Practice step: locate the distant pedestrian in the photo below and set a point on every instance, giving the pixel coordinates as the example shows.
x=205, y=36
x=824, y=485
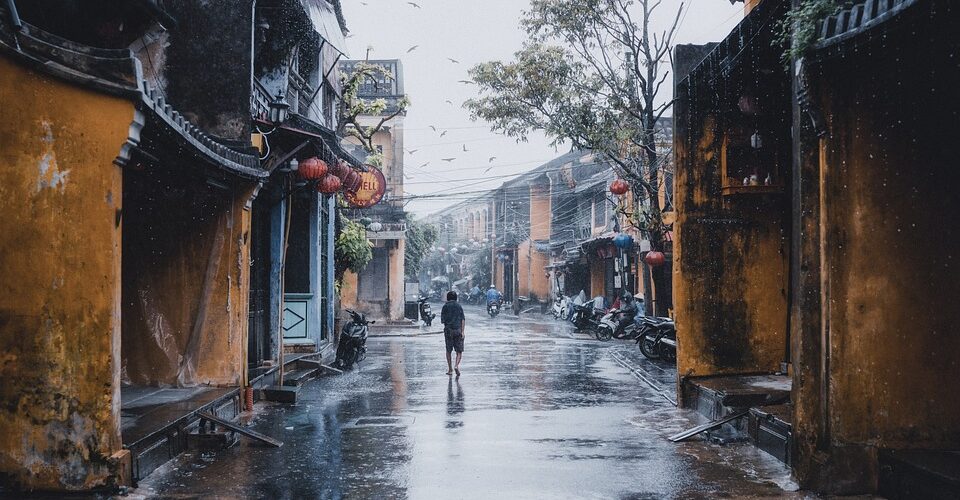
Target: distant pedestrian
x=453, y=330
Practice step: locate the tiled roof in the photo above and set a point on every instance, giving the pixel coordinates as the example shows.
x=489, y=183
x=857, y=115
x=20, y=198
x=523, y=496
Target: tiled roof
x=118, y=72
x=860, y=18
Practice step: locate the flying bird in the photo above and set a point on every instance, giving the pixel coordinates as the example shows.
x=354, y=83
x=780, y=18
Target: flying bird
x=443, y=133
x=448, y=101
x=424, y=165
x=433, y=128
x=491, y=159
x=465, y=148
x=411, y=151
x=415, y=5
x=411, y=49
x=465, y=82
x=449, y=159
x=454, y=61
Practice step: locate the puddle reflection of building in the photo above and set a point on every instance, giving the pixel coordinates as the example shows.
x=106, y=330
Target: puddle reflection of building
x=455, y=404
x=398, y=377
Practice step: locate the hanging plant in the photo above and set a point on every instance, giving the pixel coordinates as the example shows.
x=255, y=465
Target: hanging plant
x=352, y=250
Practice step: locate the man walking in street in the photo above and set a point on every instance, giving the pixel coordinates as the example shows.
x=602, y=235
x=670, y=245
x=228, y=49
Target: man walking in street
x=453, y=327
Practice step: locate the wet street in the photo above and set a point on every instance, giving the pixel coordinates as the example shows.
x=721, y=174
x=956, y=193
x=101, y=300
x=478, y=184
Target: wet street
x=539, y=412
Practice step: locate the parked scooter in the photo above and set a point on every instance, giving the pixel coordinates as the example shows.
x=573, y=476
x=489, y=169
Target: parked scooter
x=561, y=305
x=658, y=338
x=611, y=325
x=586, y=316
x=352, y=347
x=425, y=311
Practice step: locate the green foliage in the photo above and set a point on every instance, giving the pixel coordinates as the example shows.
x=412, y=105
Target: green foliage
x=352, y=107
x=797, y=31
x=480, y=266
x=589, y=74
x=419, y=238
x=352, y=249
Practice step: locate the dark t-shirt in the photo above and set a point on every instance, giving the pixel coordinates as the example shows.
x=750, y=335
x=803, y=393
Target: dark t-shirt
x=452, y=315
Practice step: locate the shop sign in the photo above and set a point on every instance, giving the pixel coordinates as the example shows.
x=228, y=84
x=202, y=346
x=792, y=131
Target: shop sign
x=372, y=187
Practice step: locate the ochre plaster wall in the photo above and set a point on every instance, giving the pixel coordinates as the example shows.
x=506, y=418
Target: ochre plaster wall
x=730, y=267
x=186, y=282
x=596, y=277
x=530, y=272
x=60, y=195
x=397, y=260
x=890, y=277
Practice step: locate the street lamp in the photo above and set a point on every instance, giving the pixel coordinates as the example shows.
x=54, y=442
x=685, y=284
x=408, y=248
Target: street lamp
x=279, y=109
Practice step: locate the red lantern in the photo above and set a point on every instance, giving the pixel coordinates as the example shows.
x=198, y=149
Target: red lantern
x=340, y=169
x=619, y=187
x=329, y=184
x=352, y=180
x=654, y=258
x=312, y=169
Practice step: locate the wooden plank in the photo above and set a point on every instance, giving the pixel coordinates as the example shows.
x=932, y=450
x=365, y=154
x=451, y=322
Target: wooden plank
x=242, y=430
x=706, y=427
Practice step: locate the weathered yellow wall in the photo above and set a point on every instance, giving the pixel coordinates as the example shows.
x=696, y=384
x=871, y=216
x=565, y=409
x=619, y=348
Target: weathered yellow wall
x=730, y=268
x=185, y=282
x=890, y=279
x=397, y=260
x=60, y=292
x=596, y=276
x=530, y=272
x=348, y=290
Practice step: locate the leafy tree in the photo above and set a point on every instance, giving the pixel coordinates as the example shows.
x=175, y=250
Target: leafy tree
x=352, y=107
x=590, y=74
x=419, y=238
x=480, y=266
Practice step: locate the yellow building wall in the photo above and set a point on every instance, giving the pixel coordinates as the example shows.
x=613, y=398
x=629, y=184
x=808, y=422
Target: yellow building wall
x=730, y=280
x=530, y=272
x=60, y=195
x=596, y=276
x=186, y=287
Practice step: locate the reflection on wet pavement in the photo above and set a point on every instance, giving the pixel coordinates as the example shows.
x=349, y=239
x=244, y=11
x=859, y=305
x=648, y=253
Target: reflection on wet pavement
x=540, y=412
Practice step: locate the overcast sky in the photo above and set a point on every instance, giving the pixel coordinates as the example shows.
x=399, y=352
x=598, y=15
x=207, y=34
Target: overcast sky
x=471, y=32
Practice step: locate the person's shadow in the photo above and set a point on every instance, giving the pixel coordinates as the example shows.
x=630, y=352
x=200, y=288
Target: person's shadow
x=455, y=404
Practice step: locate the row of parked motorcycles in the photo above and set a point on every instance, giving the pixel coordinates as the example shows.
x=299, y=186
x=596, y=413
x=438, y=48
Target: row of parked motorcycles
x=655, y=336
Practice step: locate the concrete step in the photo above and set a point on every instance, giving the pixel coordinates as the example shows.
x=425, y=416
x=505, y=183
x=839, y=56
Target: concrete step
x=280, y=394
x=299, y=376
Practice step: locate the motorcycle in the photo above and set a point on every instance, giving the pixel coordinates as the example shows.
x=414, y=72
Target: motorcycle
x=561, y=305
x=658, y=338
x=352, y=347
x=611, y=325
x=586, y=316
x=493, y=309
x=425, y=311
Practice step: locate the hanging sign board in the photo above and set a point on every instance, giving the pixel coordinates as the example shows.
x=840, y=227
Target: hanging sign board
x=372, y=186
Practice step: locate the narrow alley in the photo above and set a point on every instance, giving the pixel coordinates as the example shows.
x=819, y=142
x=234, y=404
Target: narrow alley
x=539, y=412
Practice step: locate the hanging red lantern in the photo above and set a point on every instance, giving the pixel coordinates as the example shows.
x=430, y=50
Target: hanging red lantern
x=654, y=258
x=619, y=187
x=329, y=184
x=312, y=169
x=352, y=180
x=339, y=169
